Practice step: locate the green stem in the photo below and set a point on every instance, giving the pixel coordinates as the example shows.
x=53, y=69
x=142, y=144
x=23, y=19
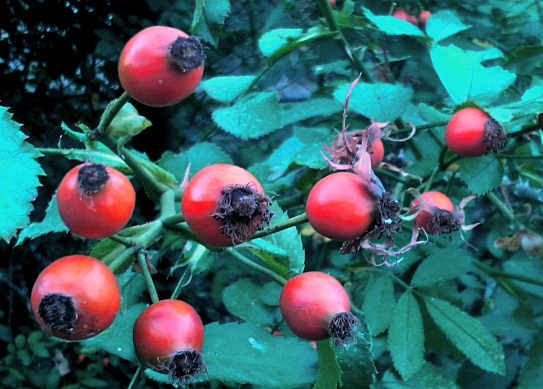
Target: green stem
x=509, y=156
x=256, y=266
x=430, y=180
x=148, y=279
x=422, y=127
x=293, y=221
x=198, y=253
x=110, y=112
x=450, y=183
x=495, y=272
x=173, y=220
x=135, y=377
x=391, y=175
x=504, y=209
x=167, y=205
x=121, y=239
x=531, y=128
x=326, y=11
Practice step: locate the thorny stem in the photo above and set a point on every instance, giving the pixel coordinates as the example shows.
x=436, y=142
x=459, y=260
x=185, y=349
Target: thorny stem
x=256, y=266
x=293, y=221
x=142, y=261
x=326, y=11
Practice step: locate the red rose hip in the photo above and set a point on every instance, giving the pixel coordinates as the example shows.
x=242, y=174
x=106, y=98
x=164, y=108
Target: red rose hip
x=436, y=213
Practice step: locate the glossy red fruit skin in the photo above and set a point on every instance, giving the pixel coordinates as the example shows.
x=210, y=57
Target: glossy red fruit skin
x=101, y=214
x=165, y=328
x=465, y=131
x=92, y=287
x=431, y=200
x=340, y=207
x=401, y=14
x=423, y=17
x=309, y=301
x=377, y=152
x=146, y=72
x=201, y=195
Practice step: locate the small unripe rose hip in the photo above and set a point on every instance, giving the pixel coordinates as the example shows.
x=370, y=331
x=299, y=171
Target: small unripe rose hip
x=436, y=213
x=315, y=306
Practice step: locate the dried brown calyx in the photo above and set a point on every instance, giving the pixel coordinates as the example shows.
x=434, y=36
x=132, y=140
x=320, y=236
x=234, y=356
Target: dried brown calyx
x=342, y=326
x=186, y=53
x=91, y=178
x=58, y=312
x=186, y=366
x=241, y=211
x=494, y=138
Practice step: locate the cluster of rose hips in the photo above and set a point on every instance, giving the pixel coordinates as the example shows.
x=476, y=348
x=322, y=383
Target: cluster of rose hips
x=77, y=297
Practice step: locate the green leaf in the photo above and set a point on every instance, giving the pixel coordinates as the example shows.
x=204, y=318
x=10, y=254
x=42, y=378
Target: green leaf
x=50, y=223
x=380, y=102
x=242, y=300
x=246, y=353
x=444, y=24
x=468, y=335
x=428, y=377
x=356, y=360
x=525, y=60
x=391, y=25
x=19, y=176
x=117, y=339
x=313, y=139
x=378, y=300
x=251, y=117
x=127, y=122
x=217, y=10
x=523, y=266
x=531, y=374
x=329, y=375
x=481, y=174
x=273, y=40
x=406, y=336
x=289, y=240
x=295, y=112
x=200, y=155
x=443, y=264
x=465, y=78
x=269, y=293
x=226, y=88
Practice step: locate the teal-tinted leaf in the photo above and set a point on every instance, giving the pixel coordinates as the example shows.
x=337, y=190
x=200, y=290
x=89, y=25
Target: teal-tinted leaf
x=200, y=155
x=525, y=59
x=521, y=265
x=531, y=374
x=356, y=360
x=117, y=339
x=289, y=240
x=378, y=300
x=127, y=122
x=217, y=10
x=443, y=264
x=19, y=176
x=428, y=377
x=92, y=382
x=242, y=300
x=246, y=353
x=329, y=375
x=444, y=24
x=273, y=40
x=295, y=112
x=50, y=223
x=391, y=25
x=251, y=117
x=380, y=102
x=481, y=174
x=313, y=138
x=406, y=336
x=465, y=78
x=431, y=114
x=226, y=88
x=425, y=151
x=269, y=293
x=468, y=335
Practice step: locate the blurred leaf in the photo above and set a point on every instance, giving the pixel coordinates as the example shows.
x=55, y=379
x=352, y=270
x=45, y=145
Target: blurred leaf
x=531, y=374
x=444, y=24
x=217, y=10
x=481, y=174
x=380, y=102
x=356, y=359
x=406, y=336
x=19, y=176
x=525, y=59
x=251, y=117
x=391, y=25
x=199, y=155
x=465, y=78
x=329, y=375
x=50, y=223
x=468, y=335
x=443, y=264
x=242, y=300
x=520, y=265
x=427, y=377
x=273, y=40
x=226, y=88
x=269, y=293
x=378, y=303
x=296, y=112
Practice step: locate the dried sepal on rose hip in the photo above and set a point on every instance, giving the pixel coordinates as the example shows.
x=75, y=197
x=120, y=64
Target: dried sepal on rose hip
x=472, y=132
x=75, y=297
x=168, y=337
x=436, y=214
x=225, y=205
x=315, y=306
x=95, y=200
